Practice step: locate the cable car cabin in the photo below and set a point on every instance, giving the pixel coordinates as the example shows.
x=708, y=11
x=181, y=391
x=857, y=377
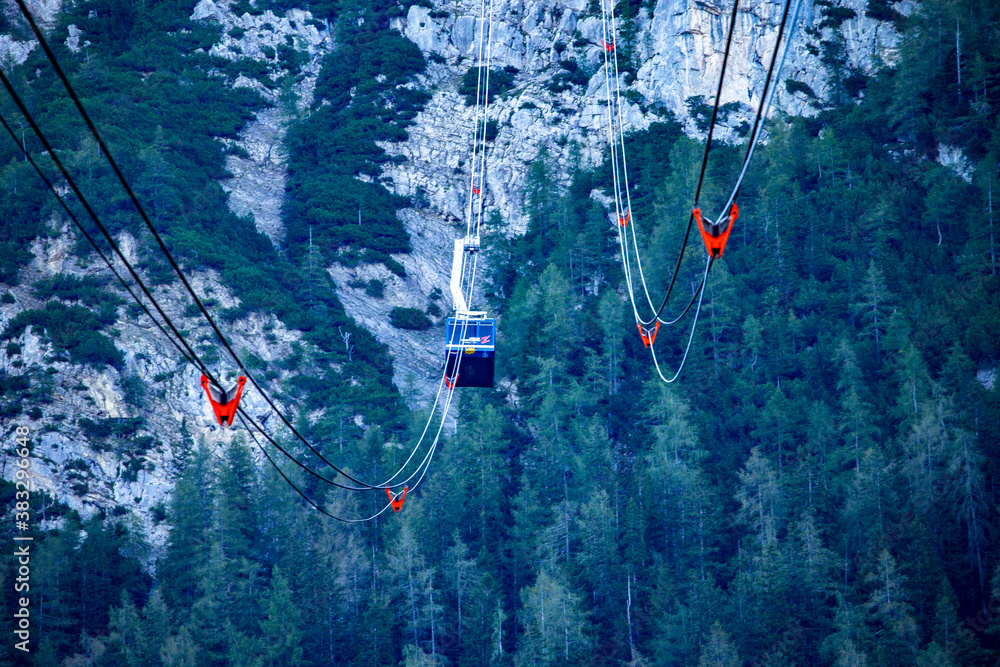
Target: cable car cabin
x=473, y=342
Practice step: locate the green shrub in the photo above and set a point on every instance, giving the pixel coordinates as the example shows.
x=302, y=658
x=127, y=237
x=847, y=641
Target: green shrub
x=159, y=512
x=634, y=96
x=572, y=75
x=134, y=390
x=835, y=16
x=492, y=130
x=76, y=464
x=74, y=329
x=793, y=86
x=88, y=291
x=10, y=384
x=192, y=309
x=409, y=318
x=119, y=427
x=500, y=82
x=394, y=266
x=352, y=111
x=292, y=59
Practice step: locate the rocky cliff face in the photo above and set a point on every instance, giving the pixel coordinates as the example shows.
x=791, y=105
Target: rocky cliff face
x=88, y=472
x=678, y=45
x=14, y=50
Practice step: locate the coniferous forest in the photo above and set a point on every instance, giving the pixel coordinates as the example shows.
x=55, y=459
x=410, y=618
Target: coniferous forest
x=818, y=488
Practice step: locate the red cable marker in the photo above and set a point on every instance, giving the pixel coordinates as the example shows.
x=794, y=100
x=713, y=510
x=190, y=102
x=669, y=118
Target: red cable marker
x=648, y=335
x=715, y=238
x=397, y=500
x=224, y=403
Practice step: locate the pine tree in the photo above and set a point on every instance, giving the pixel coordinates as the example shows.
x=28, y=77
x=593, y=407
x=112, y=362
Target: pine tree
x=125, y=632
x=153, y=630
x=857, y=423
x=237, y=531
x=281, y=625
x=598, y=554
x=463, y=577
x=180, y=650
x=759, y=496
x=412, y=583
x=872, y=504
x=872, y=308
x=774, y=425
x=821, y=435
x=914, y=384
x=209, y=612
x=815, y=563
x=191, y=519
x=691, y=605
x=554, y=624
x=719, y=650
x=926, y=446
x=889, y=611
x=675, y=439
x=969, y=499
x=540, y=196
x=953, y=639
x=845, y=646
x=611, y=313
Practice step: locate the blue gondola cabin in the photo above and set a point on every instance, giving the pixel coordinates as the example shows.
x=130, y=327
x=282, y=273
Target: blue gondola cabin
x=470, y=345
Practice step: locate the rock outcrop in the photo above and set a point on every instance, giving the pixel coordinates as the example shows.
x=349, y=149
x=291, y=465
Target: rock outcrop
x=679, y=48
x=87, y=472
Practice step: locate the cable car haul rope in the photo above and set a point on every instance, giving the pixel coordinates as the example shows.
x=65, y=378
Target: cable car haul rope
x=714, y=234
x=470, y=335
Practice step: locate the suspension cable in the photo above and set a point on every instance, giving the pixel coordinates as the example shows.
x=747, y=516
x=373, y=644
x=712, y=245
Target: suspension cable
x=173, y=263
x=762, y=110
x=766, y=98
x=694, y=324
x=200, y=364
x=701, y=176
x=186, y=351
x=195, y=361
x=93, y=243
